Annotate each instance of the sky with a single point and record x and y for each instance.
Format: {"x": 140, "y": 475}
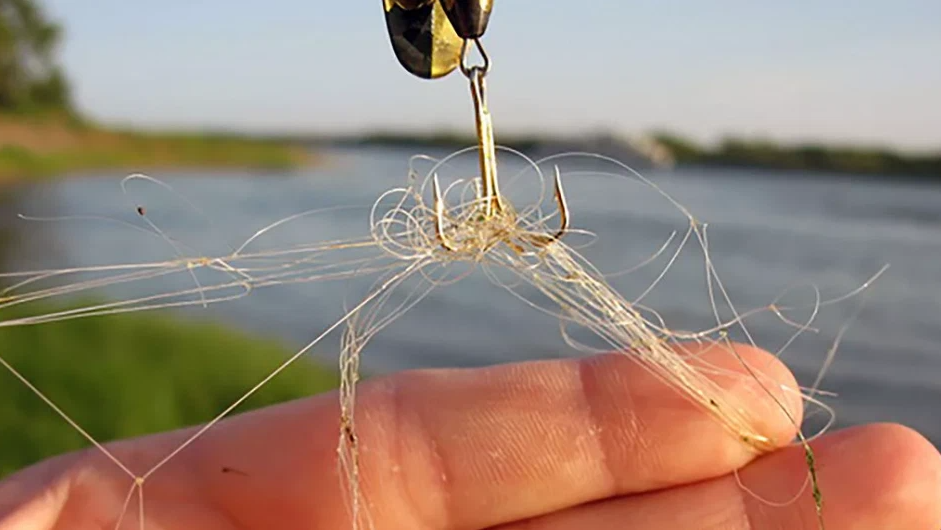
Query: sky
{"x": 863, "y": 71}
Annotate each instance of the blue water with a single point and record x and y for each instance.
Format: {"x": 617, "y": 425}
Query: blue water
{"x": 768, "y": 231}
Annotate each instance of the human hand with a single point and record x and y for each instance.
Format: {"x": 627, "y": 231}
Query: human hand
{"x": 595, "y": 443}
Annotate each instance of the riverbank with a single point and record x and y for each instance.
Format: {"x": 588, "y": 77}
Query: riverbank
{"x": 133, "y": 374}
{"x": 667, "y": 149}
{"x": 818, "y": 158}
{"x": 43, "y": 146}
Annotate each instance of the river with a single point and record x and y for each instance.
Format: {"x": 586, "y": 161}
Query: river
{"x": 767, "y": 231}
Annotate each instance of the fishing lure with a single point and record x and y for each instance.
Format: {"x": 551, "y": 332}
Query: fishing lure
{"x": 428, "y": 35}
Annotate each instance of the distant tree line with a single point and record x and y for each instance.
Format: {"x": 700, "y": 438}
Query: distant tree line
{"x": 30, "y": 79}
{"x": 734, "y": 152}
{"x": 444, "y": 139}
{"x": 731, "y": 152}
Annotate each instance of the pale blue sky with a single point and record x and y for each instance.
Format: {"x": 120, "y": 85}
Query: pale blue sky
{"x": 864, "y": 70}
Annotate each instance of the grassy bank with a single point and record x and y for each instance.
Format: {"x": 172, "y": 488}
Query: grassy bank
{"x": 43, "y": 146}
{"x": 128, "y": 375}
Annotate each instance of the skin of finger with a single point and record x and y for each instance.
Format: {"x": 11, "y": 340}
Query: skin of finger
{"x": 440, "y": 449}
{"x": 86, "y": 490}
{"x": 475, "y": 448}
{"x": 34, "y": 498}
{"x": 873, "y": 478}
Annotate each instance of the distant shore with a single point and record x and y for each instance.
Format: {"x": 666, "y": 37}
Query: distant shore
{"x": 37, "y": 147}
{"x": 34, "y": 147}
{"x": 731, "y": 152}
{"x": 763, "y": 154}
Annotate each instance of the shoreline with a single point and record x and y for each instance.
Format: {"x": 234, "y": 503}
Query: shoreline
{"x": 39, "y": 148}
{"x": 745, "y": 153}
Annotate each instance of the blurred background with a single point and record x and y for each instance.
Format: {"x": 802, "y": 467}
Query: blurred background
{"x": 808, "y": 136}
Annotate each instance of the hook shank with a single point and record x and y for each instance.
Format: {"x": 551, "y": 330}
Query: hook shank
{"x": 490, "y": 190}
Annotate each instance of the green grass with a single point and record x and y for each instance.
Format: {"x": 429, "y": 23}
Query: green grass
{"x": 143, "y": 154}
{"x": 128, "y": 375}
{"x": 77, "y": 147}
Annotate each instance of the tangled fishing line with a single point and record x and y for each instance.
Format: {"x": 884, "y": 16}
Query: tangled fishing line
{"x": 421, "y": 237}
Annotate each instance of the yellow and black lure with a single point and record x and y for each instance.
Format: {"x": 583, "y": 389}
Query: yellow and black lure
{"x": 428, "y": 35}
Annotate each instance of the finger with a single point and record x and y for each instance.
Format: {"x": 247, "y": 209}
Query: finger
{"x": 475, "y": 448}
{"x": 873, "y": 478}
{"x": 86, "y": 489}
{"x": 34, "y": 497}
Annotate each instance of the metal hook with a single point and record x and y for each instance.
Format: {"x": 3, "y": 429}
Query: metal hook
{"x": 490, "y": 197}
{"x": 563, "y": 206}
{"x": 564, "y": 218}
{"x": 488, "y": 192}
{"x": 542, "y": 240}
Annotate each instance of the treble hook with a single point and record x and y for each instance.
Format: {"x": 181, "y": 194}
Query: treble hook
{"x": 433, "y": 37}
{"x": 541, "y": 241}
{"x": 488, "y": 193}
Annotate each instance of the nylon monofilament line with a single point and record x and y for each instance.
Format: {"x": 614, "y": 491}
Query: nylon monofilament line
{"x": 408, "y": 228}
{"x": 421, "y": 237}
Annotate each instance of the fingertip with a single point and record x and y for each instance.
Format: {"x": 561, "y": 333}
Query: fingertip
{"x": 33, "y": 498}
{"x": 778, "y": 388}
{"x": 871, "y": 477}
{"x": 904, "y": 475}
{"x": 758, "y": 380}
